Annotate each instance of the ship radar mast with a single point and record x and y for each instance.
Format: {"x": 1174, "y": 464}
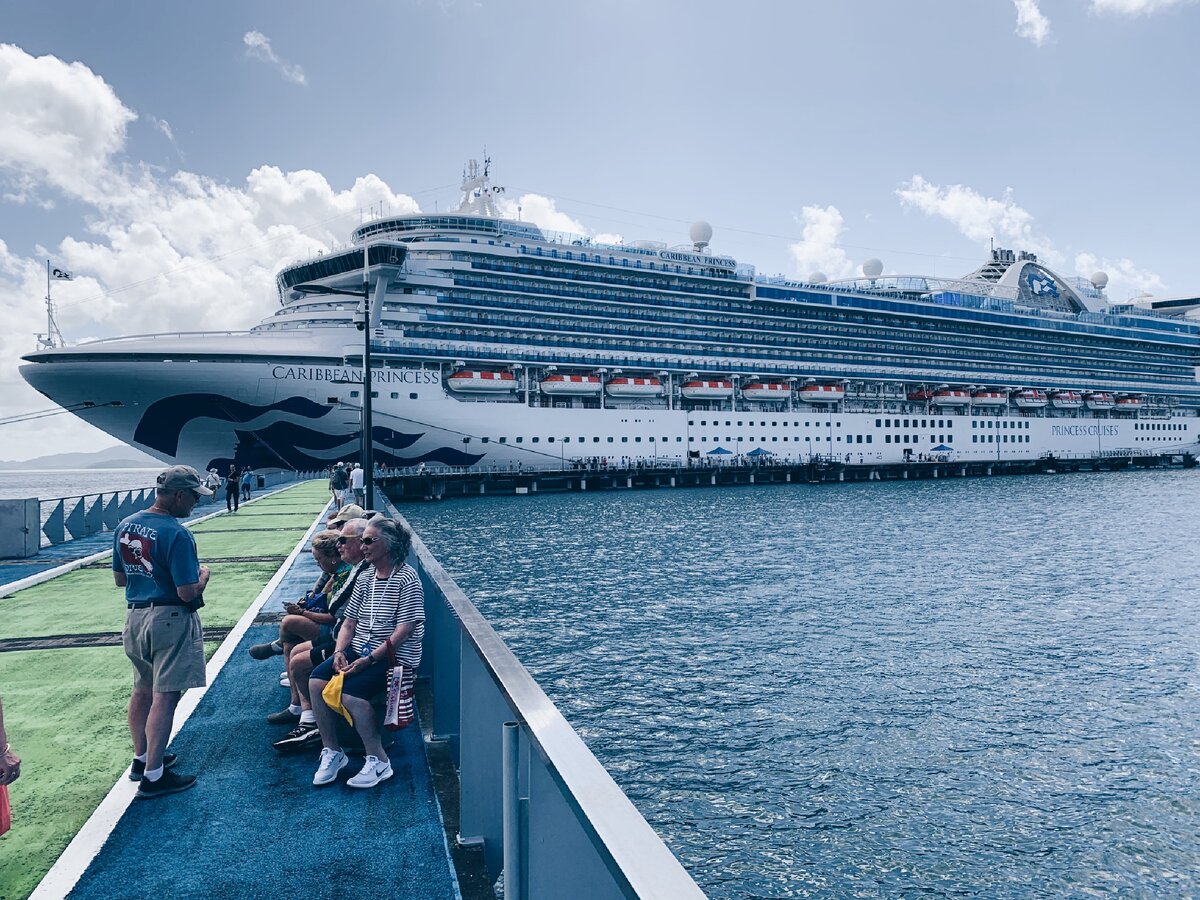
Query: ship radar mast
{"x": 479, "y": 195}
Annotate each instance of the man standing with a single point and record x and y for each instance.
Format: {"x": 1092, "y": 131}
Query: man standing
{"x": 155, "y": 560}
{"x": 356, "y": 485}
{"x": 339, "y": 482}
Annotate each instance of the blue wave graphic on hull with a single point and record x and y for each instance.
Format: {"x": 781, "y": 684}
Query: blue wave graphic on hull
{"x": 163, "y": 420}
{"x": 293, "y": 446}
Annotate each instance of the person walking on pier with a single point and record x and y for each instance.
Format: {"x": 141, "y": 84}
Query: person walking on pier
{"x": 357, "y": 481}
{"x": 231, "y": 489}
{"x": 247, "y": 482}
{"x": 154, "y": 559}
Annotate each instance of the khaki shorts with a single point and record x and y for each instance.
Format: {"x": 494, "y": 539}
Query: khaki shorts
{"x": 166, "y": 646}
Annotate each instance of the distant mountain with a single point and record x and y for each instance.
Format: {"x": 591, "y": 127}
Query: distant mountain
{"x": 118, "y": 457}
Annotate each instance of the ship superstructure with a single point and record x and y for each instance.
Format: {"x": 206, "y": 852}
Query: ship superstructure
{"x": 494, "y": 342}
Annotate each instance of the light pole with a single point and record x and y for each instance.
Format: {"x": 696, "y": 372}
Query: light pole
{"x": 362, "y": 321}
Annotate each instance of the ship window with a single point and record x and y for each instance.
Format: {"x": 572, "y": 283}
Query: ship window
{"x": 974, "y": 438}
{"x": 412, "y": 396}
{"x": 354, "y": 393}
{"x": 887, "y": 438}
{"x": 331, "y": 399}
{"x": 624, "y": 440}
{"x": 504, "y": 440}
{"x": 777, "y": 439}
{"x": 395, "y": 396}
{"x": 535, "y": 440}
{"x": 906, "y": 423}
{"x": 610, "y": 440}
{"x": 878, "y": 423}
{"x": 887, "y": 423}
{"x": 637, "y": 440}
{"x": 484, "y": 440}
{"x": 595, "y": 440}
{"x": 520, "y": 440}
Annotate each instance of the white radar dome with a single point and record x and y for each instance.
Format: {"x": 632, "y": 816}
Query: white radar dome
{"x": 700, "y": 234}
{"x": 1099, "y": 280}
{"x": 872, "y": 268}
{"x": 818, "y": 278}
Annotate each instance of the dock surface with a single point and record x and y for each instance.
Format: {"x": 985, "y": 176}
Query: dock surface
{"x": 254, "y": 823}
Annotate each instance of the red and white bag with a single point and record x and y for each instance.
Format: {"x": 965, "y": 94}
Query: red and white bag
{"x": 399, "y": 711}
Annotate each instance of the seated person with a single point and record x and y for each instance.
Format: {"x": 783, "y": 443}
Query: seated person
{"x": 385, "y": 618}
{"x": 303, "y": 619}
{"x": 306, "y": 656}
{"x": 344, "y": 515}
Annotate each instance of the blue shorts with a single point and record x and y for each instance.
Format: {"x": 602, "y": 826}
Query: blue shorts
{"x": 363, "y": 685}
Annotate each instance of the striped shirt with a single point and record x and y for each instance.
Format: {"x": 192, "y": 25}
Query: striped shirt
{"x": 379, "y": 605}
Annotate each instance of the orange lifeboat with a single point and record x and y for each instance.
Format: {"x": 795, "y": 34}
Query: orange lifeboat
{"x": 989, "y": 398}
{"x": 950, "y": 398}
{"x": 1100, "y": 401}
{"x": 1066, "y": 400}
{"x": 1029, "y": 398}
{"x": 1129, "y": 403}
{"x": 765, "y": 390}
{"x": 481, "y": 381}
{"x": 706, "y": 390}
{"x": 821, "y": 393}
{"x": 571, "y": 385}
{"x": 622, "y": 386}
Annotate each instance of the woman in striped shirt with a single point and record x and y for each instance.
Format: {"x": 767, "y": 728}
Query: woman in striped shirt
{"x": 384, "y": 618}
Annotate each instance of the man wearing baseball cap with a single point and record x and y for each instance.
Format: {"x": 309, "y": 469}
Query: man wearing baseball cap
{"x": 155, "y": 560}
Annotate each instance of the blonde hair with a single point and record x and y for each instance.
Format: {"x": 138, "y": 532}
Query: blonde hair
{"x": 325, "y": 543}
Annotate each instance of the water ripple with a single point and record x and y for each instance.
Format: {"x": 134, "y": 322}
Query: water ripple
{"x": 971, "y": 687}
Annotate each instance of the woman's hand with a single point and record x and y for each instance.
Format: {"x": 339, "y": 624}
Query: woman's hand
{"x": 10, "y": 767}
{"x": 339, "y": 661}
{"x": 359, "y": 665}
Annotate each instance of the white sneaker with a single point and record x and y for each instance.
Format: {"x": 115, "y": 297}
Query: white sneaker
{"x": 284, "y": 681}
{"x": 373, "y": 772}
{"x": 332, "y": 762}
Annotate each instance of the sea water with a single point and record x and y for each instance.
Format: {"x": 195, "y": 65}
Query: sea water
{"x": 979, "y": 686}
{"x": 55, "y": 484}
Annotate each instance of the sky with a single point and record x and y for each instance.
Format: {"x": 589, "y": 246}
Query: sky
{"x": 173, "y": 157}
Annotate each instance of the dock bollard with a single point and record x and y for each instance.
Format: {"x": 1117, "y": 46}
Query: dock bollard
{"x": 512, "y": 823}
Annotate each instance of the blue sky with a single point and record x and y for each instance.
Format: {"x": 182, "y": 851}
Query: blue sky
{"x": 174, "y": 156}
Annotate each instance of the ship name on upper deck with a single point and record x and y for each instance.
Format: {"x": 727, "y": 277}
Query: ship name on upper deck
{"x": 342, "y": 374}
{"x": 698, "y": 259}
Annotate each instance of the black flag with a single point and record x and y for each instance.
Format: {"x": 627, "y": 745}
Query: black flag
{"x": 61, "y": 273}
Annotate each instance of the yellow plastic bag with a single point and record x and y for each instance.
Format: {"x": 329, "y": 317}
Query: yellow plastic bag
{"x": 333, "y": 696}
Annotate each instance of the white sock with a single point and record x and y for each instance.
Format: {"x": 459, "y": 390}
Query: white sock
{"x": 140, "y": 757}
{"x": 294, "y": 709}
{"x": 308, "y": 717}
{"x": 153, "y": 774}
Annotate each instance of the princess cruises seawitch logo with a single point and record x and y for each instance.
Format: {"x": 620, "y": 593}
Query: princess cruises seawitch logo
{"x": 1041, "y": 285}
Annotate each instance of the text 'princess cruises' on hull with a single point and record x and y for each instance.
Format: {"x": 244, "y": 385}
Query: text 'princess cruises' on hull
{"x": 496, "y": 343}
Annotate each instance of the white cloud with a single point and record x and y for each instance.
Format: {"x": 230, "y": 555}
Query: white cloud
{"x": 543, "y": 213}
{"x": 60, "y": 125}
{"x": 1134, "y": 7}
{"x": 163, "y": 127}
{"x": 161, "y": 252}
{"x": 977, "y": 217}
{"x": 1032, "y": 24}
{"x": 1125, "y": 279}
{"x": 258, "y": 46}
{"x": 818, "y": 249}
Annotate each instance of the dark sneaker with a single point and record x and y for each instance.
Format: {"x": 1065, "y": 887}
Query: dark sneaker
{"x": 284, "y": 717}
{"x": 170, "y": 783}
{"x": 303, "y": 737}
{"x": 138, "y": 769}
{"x": 266, "y": 651}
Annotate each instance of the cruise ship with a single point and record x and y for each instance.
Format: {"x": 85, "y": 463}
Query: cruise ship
{"x": 495, "y": 343}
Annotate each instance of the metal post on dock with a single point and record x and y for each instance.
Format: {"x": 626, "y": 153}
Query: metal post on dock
{"x": 512, "y": 820}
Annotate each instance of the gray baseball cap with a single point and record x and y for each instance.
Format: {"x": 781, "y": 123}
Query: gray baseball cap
{"x": 182, "y": 478}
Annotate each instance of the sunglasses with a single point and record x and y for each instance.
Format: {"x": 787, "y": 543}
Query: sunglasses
{"x": 346, "y": 537}
{"x": 367, "y": 542}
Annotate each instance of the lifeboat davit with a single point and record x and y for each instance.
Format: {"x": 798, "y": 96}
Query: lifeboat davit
{"x": 989, "y": 398}
{"x": 1129, "y": 403}
{"x": 476, "y": 380}
{"x": 922, "y": 396}
{"x": 622, "y": 386}
{"x": 706, "y": 390}
{"x": 573, "y": 385}
{"x": 765, "y": 390}
{"x": 821, "y": 393}
{"x": 1066, "y": 400}
{"x": 1100, "y": 401}
{"x": 1030, "y": 399}
{"x": 950, "y": 398}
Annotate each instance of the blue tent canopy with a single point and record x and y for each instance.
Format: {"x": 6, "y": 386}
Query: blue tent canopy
{"x": 720, "y": 451}
{"x": 759, "y": 451}
{"x": 941, "y": 448}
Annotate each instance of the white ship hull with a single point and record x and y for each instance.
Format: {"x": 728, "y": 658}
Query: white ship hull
{"x": 255, "y": 404}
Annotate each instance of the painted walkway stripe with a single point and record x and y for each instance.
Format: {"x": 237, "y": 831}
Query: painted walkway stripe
{"x": 66, "y": 872}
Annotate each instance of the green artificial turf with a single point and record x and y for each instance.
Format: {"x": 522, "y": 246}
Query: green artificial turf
{"x": 64, "y": 711}
{"x": 237, "y": 522}
{"x": 214, "y": 546}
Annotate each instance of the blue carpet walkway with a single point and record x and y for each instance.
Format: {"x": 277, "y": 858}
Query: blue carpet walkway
{"x": 254, "y": 825}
